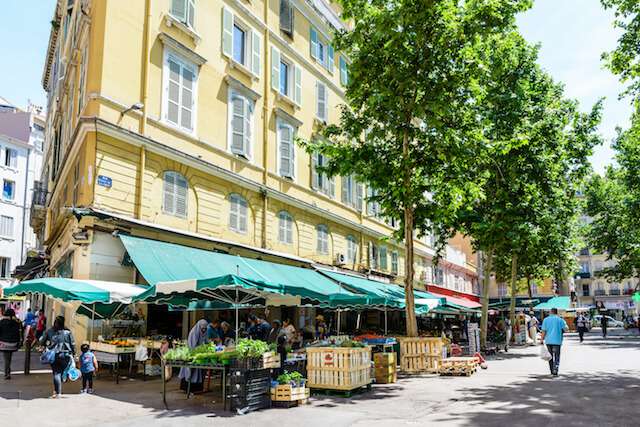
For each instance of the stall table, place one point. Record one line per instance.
(180, 364)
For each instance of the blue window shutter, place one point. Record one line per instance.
(313, 39)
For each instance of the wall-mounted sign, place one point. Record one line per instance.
(104, 181)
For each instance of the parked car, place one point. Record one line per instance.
(612, 323)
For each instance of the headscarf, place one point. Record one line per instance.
(196, 336)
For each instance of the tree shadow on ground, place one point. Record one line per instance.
(587, 399)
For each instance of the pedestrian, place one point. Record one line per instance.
(604, 323)
(214, 332)
(581, 325)
(41, 324)
(553, 328)
(10, 331)
(59, 340)
(192, 380)
(30, 318)
(275, 332)
(259, 329)
(533, 328)
(88, 366)
(289, 329)
(228, 335)
(507, 332)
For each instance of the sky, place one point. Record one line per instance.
(572, 33)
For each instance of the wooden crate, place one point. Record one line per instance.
(289, 393)
(336, 368)
(386, 378)
(458, 366)
(271, 360)
(385, 359)
(421, 354)
(110, 348)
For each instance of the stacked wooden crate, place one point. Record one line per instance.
(385, 368)
(458, 366)
(337, 368)
(289, 395)
(421, 354)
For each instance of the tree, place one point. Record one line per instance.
(410, 128)
(625, 59)
(537, 145)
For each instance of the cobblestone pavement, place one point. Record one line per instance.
(599, 384)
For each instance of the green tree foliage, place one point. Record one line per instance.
(411, 128)
(625, 59)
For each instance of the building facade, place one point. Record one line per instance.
(176, 120)
(21, 153)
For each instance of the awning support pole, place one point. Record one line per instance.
(237, 324)
(338, 332)
(385, 320)
(93, 316)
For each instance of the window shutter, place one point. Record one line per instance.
(191, 13)
(237, 125)
(344, 76)
(292, 155)
(246, 146)
(179, 9)
(289, 223)
(256, 42)
(315, 178)
(286, 17)
(359, 194)
(227, 32)
(345, 190)
(242, 215)
(321, 92)
(313, 43)
(169, 188)
(330, 55)
(383, 257)
(173, 88)
(181, 196)
(285, 151)
(297, 93)
(281, 231)
(233, 213)
(275, 69)
(370, 209)
(332, 187)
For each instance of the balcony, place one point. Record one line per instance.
(614, 291)
(599, 292)
(584, 274)
(38, 206)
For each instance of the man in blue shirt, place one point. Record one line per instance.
(553, 328)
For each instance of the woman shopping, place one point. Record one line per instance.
(10, 331)
(60, 341)
(192, 379)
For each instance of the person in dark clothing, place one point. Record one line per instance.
(604, 323)
(581, 325)
(61, 341)
(259, 329)
(275, 332)
(10, 338)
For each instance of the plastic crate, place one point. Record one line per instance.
(249, 404)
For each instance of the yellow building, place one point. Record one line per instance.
(175, 120)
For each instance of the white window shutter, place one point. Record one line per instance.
(320, 90)
(242, 215)
(315, 177)
(281, 228)
(179, 9)
(233, 213)
(292, 156)
(181, 196)
(332, 187)
(285, 151)
(227, 32)
(256, 42)
(345, 190)
(330, 55)
(275, 69)
(248, 132)
(191, 13)
(359, 194)
(325, 114)
(344, 76)
(313, 42)
(297, 93)
(237, 125)
(169, 189)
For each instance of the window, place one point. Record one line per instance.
(286, 77)
(373, 256)
(286, 149)
(585, 289)
(6, 226)
(373, 207)
(320, 50)
(238, 208)
(322, 242)
(83, 79)
(76, 183)
(352, 192)
(584, 267)
(383, 258)
(184, 11)
(438, 276)
(344, 73)
(286, 17)
(322, 101)
(175, 194)
(320, 181)
(240, 43)
(352, 250)
(394, 262)
(11, 158)
(285, 228)
(180, 84)
(5, 267)
(8, 190)
(240, 124)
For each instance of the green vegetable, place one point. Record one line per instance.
(248, 348)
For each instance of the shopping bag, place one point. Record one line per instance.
(141, 353)
(47, 357)
(544, 353)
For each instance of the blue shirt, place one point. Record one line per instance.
(86, 362)
(553, 327)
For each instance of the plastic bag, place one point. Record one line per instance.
(544, 353)
(141, 353)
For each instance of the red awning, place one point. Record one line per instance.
(464, 302)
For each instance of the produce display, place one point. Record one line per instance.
(294, 379)
(210, 354)
(248, 348)
(119, 343)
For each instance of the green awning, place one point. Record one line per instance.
(72, 290)
(561, 303)
(162, 263)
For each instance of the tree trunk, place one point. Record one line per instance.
(486, 281)
(529, 286)
(412, 324)
(514, 291)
